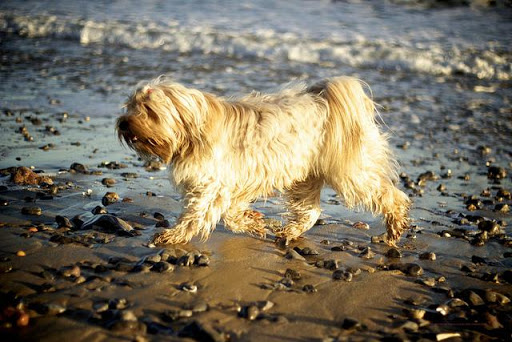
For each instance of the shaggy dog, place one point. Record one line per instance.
(225, 153)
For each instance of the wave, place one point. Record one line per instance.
(490, 62)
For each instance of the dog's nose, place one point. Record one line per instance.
(124, 125)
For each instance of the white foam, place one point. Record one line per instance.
(355, 50)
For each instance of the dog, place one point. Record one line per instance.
(225, 153)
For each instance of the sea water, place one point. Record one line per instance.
(231, 47)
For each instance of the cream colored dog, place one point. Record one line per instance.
(226, 153)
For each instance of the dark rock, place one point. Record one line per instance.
(202, 332)
(367, 253)
(342, 275)
(34, 211)
(110, 224)
(428, 256)
(109, 182)
(63, 222)
(309, 288)
(496, 173)
(292, 274)
(408, 269)
(79, 168)
(393, 253)
(292, 254)
(491, 227)
(162, 266)
(110, 198)
(99, 210)
(352, 324)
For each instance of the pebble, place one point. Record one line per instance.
(129, 175)
(34, 211)
(159, 216)
(408, 269)
(162, 266)
(502, 208)
(110, 224)
(342, 275)
(79, 168)
(21, 253)
(25, 176)
(490, 227)
(306, 251)
(393, 253)
(292, 274)
(309, 288)
(187, 287)
(110, 198)
(367, 253)
(109, 182)
(320, 222)
(63, 222)
(351, 324)
(4, 202)
(480, 239)
(330, 264)
(99, 210)
(496, 173)
(428, 256)
(201, 332)
(292, 254)
(361, 225)
(72, 271)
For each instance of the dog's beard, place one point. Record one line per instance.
(146, 141)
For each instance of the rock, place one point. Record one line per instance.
(110, 198)
(25, 176)
(309, 288)
(342, 275)
(490, 227)
(496, 173)
(110, 224)
(201, 332)
(159, 216)
(188, 287)
(330, 264)
(129, 175)
(109, 182)
(162, 266)
(34, 211)
(361, 225)
(367, 253)
(306, 251)
(480, 239)
(63, 222)
(292, 274)
(79, 168)
(428, 256)
(99, 210)
(292, 254)
(502, 208)
(351, 324)
(408, 269)
(393, 253)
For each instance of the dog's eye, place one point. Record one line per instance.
(123, 125)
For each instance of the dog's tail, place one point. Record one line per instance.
(351, 112)
(354, 150)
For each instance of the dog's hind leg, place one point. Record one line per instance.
(380, 196)
(303, 203)
(240, 219)
(203, 209)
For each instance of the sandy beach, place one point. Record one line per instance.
(77, 209)
(64, 277)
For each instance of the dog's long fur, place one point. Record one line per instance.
(226, 153)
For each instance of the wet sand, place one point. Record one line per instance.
(59, 281)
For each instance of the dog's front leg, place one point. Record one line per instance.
(203, 209)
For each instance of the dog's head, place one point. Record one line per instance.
(162, 119)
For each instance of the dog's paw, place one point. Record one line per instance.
(168, 237)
